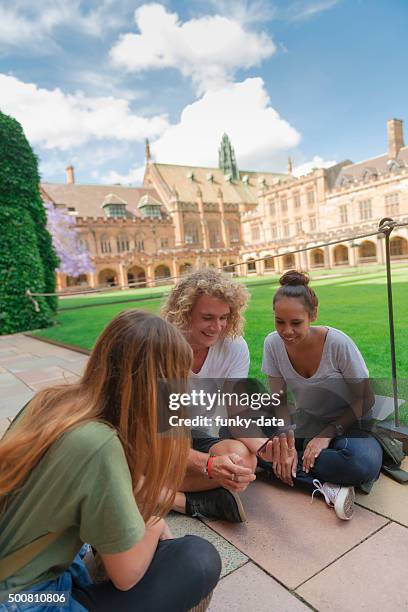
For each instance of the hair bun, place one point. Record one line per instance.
(293, 277)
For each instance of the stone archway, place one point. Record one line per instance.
(341, 256)
(288, 261)
(108, 277)
(398, 247)
(136, 277)
(161, 274)
(317, 258)
(185, 268)
(77, 281)
(251, 265)
(269, 263)
(367, 251)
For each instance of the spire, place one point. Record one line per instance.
(148, 156)
(226, 158)
(290, 166)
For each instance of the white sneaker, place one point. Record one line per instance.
(337, 497)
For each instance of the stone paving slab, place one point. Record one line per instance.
(40, 375)
(4, 423)
(10, 406)
(231, 557)
(67, 379)
(250, 589)
(388, 498)
(10, 386)
(372, 576)
(20, 363)
(10, 360)
(290, 538)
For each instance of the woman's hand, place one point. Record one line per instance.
(228, 472)
(284, 458)
(312, 451)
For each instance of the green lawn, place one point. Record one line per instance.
(355, 304)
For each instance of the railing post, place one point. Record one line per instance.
(386, 226)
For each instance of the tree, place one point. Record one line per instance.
(21, 268)
(19, 185)
(27, 257)
(74, 258)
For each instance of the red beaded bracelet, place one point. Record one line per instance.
(208, 467)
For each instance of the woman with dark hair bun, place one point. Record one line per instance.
(328, 379)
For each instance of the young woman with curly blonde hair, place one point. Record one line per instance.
(207, 306)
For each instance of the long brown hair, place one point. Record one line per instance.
(120, 388)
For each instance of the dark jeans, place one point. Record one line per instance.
(350, 461)
(183, 571)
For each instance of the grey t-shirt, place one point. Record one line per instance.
(327, 393)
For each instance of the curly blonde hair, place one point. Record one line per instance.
(180, 302)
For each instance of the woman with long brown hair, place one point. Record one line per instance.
(84, 463)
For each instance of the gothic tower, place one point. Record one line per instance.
(226, 158)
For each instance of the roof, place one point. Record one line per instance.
(147, 200)
(374, 165)
(112, 198)
(88, 199)
(188, 180)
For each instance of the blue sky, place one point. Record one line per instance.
(314, 79)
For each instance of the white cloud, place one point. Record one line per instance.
(302, 10)
(245, 11)
(51, 118)
(208, 49)
(316, 162)
(34, 25)
(259, 135)
(133, 177)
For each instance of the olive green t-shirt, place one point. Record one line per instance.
(81, 485)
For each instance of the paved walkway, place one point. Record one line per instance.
(291, 555)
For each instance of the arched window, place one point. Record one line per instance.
(139, 242)
(234, 232)
(122, 243)
(105, 244)
(191, 233)
(214, 233)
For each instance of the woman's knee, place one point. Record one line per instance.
(364, 459)
(226, 447)
(202, 563)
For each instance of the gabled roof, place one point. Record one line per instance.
(88, 199)
(147, 200)
(112, 198)
(189, 180)
(374, 165)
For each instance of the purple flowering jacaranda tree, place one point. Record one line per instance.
(74, 257)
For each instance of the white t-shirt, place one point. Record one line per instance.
(326, 393)
(228, 358)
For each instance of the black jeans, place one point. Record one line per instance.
(183, 571)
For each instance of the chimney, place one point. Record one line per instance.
(395, 137)
(70, 175)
